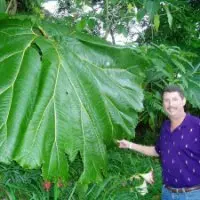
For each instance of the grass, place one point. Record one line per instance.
(118, 186)
(17, 183)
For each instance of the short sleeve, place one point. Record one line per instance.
(159, 140)
(157, 146)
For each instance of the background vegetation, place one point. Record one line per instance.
(167, 47)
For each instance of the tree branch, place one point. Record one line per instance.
(12, 7)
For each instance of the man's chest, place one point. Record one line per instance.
(184, 140)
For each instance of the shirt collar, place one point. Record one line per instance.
(184, 123)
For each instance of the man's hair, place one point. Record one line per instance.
(174, 88)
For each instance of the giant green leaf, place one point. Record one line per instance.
(61, 96)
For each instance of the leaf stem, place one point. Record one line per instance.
(14, 3)
(73, 190)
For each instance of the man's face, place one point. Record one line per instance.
(173, 104)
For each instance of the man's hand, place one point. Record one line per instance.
(124, 144)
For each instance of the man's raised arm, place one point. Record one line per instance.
(146, 150)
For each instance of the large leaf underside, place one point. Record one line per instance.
(62, 97)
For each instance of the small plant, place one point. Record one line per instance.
(120, 184)
(18, 183)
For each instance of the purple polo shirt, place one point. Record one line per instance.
(180, 153)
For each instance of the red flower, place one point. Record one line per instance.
(47, 185)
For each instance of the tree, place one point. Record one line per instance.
(18, 6)
(174, 22)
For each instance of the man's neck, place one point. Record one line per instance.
(176, 121)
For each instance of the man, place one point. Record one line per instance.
(178, 148)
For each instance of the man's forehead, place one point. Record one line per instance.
(171, 94)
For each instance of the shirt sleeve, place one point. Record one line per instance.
(160, 138)
(157, 146)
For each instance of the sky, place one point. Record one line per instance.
(51, 6)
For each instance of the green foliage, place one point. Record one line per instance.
(183, 20)
(29, 6)
(169, 16)
(21, 6)
(2, 6)
(123, 164)
(65, 97)
(60, 96)
(83, 99)
(17, 183)
(151, 7)
(170, 65)
(169, 21)
(166, 65)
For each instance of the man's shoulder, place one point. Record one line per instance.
(165, 125)
(193, 119)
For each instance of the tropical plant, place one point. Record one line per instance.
(66, 96)
(169, 21)
(121, 184)
(18, 183)
(60, 96)
(167, 65)
(183, 19)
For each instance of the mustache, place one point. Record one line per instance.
(171, 107)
